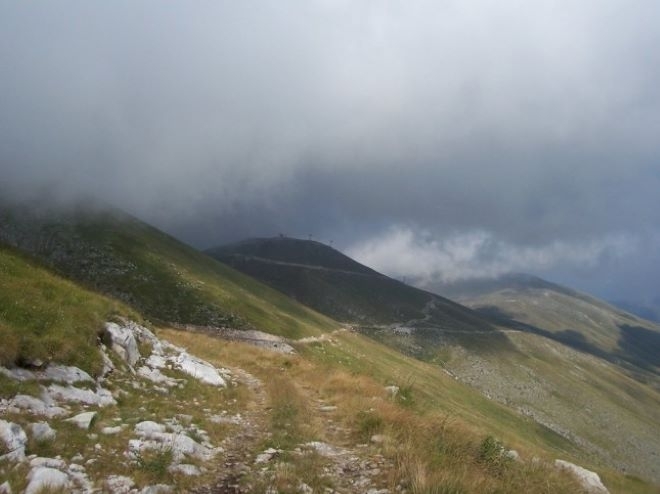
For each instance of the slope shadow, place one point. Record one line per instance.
(641, 345)
(569, 337)
(638, 346)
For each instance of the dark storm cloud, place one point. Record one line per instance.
(530, 126)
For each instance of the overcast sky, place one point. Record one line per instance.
(432, 138)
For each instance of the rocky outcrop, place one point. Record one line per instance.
(43, 478)
(122, 341)
(63, 394)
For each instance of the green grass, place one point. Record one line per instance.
(44, 317)
(164, 279)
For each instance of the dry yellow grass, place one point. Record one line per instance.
(431, 451)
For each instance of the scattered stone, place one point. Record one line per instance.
(512, 455)
(112, 430)
(108, 366)
(153, 438)
(5, 488)
(43, 478)
(185, 469)
(77, 457)
(589, 480)
(101, 397)
(58, 373)
(156, 376)
(42, 431)
(148, 427)
(14, 439)
(305, 489)
(324, 449)
(392, 390)
(157, 489)
(83, 420)
(122, 342)
(55, 463)
(119, 484)
(34, 406)
(327, 408)
(267, 456)
(378, 438)
(199, 369)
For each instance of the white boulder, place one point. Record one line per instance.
(83, 420)
(148, 428)
(101, 397)
(590, 480)
(123, 342)
(200, 370)
(185, 469)
(43, 478)
(42, 431)
(13, 437)
(35, 406)
(119, 484)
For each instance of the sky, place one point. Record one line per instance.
(428, 139)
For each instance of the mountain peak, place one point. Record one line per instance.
(290, 250)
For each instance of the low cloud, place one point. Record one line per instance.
(403, 252)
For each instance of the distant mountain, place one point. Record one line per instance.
(643, 311)
(531, 304)
(336, 285)
(112, 252)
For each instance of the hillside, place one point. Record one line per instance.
(330, 282)
(578, 320)
(111, 252)
(162, 410)
(549, 373)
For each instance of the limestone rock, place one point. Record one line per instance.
(119, 484)
(185, 469)
(5, 488)
(590, 480)
(112, 430)
(199, 369)
(392, 390)
(83, 420)
(58, 373)
(42, 478)
(14, 439)
(267, 455)
(42, 431)
(35, 406)
(55, 463)
(157, 489)
(122, 341)
(101, 397)
(148, 427)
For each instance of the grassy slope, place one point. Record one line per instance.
(442, 423)
(436, 432)
(335, 285)
(582, 397)
(44, 317)
(158, 275)
(528, 372)
(573, 318)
